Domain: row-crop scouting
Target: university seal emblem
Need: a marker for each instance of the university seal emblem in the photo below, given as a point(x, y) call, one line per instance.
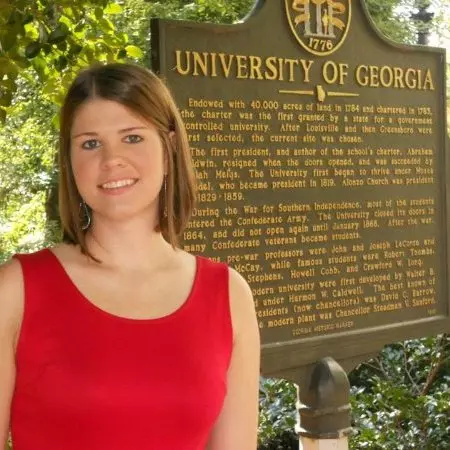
point(320, 26)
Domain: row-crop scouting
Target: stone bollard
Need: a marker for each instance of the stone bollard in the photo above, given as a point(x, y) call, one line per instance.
point(324, 408)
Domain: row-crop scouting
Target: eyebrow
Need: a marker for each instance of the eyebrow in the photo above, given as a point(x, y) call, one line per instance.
point(123, 130)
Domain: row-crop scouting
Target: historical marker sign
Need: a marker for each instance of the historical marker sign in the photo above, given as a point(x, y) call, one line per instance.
point(320, 149)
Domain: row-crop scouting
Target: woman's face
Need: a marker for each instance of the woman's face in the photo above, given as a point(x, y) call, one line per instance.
point(117, 160)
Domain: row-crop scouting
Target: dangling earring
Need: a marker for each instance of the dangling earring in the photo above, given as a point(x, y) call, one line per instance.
point(165, 197)
point(84, 216)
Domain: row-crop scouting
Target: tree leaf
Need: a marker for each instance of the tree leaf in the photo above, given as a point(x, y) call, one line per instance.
point(122, 54)
point(32, 50)
point(134, 51)
point(106, 24)
point(41, 67)
point(28, 18)
point(123, 38)
point(113, 8)
point(62, 46)
point(30, 31)
point(7, 40)
point(75, 49)
point(98, 13)
point(43, 33)
point(59, 33)
point(8, 67)
point(61, 63)
point(5, 97)
point(68, 11)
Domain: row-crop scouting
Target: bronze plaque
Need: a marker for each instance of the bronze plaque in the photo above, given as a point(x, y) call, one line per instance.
point(320, 150)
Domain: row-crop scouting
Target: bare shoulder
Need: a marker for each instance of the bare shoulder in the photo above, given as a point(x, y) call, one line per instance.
point(11, 282)
point(11, 299)
point(65, 252)
point(186, 259)
point(239, 286)
point(241, 304)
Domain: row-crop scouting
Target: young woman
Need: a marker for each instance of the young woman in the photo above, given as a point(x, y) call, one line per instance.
point(117, 339)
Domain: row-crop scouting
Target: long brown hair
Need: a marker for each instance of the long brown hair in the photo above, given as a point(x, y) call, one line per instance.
point(145, 94)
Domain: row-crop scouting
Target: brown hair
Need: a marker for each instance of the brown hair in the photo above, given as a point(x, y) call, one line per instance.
point(145, 94)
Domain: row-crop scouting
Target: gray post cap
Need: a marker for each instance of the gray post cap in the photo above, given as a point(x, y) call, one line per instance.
point(324, 407)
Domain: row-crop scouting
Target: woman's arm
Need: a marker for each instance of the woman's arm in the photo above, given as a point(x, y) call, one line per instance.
point(237, 425)
point(11, 310)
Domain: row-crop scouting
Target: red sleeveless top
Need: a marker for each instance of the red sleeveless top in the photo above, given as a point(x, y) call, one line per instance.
point(90, 380)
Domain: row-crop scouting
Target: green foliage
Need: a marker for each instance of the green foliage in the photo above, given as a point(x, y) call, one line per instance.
point(277, 415)
point(401, 400)
point(218, 11)
point(56, 39)
point(393, 24)
point(139, 13)
point(27, 145)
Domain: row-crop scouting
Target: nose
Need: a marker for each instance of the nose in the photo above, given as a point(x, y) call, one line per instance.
point(112, 156)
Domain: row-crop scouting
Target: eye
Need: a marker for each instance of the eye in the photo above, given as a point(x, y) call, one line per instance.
point(91, 144)
point(133, 139)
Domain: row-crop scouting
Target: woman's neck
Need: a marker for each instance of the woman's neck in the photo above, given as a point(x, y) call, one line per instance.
point(123, 245)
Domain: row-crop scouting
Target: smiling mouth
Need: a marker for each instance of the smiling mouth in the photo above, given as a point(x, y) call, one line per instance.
point(118, 184)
